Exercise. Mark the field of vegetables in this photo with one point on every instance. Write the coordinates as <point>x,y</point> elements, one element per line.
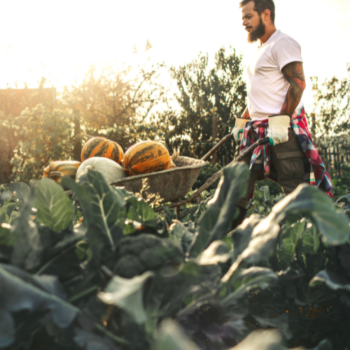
<point>101,269</point>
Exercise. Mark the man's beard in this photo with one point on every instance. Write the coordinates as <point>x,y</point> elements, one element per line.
<point>256,34</point>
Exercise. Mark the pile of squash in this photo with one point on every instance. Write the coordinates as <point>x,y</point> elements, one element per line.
<point>108,158</point>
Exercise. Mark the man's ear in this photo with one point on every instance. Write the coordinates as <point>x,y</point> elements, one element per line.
<point>267,15</point>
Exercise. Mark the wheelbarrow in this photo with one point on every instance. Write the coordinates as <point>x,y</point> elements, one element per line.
<point>175,183</point>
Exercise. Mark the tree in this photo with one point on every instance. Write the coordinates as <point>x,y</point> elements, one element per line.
<point>45,135</point>
<point>115,103</point>
<point>209,99</point>
<point>12,102</point>
<point>331,106</point>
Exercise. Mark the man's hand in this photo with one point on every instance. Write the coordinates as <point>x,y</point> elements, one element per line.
<point>294,73</point>
<point>240,123</point>
<point>239,126</point>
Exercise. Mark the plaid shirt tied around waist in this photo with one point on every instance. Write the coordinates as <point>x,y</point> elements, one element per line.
<point>317,175</point>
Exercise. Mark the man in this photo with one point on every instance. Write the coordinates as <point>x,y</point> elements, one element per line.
<point>275,85</point>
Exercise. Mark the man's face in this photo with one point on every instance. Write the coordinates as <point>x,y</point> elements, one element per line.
<point>252,22</point>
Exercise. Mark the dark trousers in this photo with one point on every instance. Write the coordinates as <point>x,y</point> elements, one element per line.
<point>288,161</point>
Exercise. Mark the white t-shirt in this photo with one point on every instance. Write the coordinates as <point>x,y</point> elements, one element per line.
<point>266,85</point>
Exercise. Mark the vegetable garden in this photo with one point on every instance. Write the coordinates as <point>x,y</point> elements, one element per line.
<point>103,270</point>
<point>87,265</point>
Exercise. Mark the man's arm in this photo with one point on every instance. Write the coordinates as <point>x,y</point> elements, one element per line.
<point>245,114</point>
<point>294,73</point>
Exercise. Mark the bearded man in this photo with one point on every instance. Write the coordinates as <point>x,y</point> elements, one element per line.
<point>275,85</point>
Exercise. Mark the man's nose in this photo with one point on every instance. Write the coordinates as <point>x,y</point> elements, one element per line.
<point>244,23</point>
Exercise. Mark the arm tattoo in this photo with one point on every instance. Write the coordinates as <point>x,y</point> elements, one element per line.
<point>294,73</point>
<point>245,114</point>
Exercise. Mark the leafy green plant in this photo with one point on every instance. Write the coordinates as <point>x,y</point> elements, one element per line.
<point>341,183</point>
<point>102,269</point>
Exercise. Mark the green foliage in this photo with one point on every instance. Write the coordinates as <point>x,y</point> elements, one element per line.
<point>267,193</point>
<point>115,104</point>
<point>171,337</point>
<point>45,135</point>
<point>106,220</point>
<point>54,208</point>
<point>331,106</point>
<point>103,270</point>
<point>209,100</point>
<point>146,252</point>
<point>21,292</point>
<point>120,279</point>
<point>206,172</point>
<point>127,294</point>
<point>341,183</point>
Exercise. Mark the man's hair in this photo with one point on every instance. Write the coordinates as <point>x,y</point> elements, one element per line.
<point>262,5</point>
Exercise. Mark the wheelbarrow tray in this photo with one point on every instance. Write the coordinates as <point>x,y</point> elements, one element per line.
<point>170,184</point>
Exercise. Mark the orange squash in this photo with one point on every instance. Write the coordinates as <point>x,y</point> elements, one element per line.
<point>146,157</point>
<point>101,147</point>
<point>61,168</point>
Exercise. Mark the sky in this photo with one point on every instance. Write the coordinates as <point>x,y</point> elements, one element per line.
<point>60,39</point>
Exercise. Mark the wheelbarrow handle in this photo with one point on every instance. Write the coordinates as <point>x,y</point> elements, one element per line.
<point>217,175</point>
<point>225,139</point>
<point>251,148</point>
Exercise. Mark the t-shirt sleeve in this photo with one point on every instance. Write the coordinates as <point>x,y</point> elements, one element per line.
<point>286,51</point>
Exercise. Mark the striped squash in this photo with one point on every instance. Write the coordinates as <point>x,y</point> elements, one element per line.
<point>61,168</point>
<point>146,157</point>
<point>101,147</point>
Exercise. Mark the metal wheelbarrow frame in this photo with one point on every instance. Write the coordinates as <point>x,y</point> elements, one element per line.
<point>175,183</point>
<point>171,184</point>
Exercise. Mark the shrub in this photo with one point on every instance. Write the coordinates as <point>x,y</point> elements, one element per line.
<point>45,136</point>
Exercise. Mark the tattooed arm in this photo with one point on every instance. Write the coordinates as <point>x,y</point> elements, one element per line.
<point>294,73</point>
<point>245,114</point>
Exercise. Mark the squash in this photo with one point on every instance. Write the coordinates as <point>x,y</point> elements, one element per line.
<point>101,147</point>
<point>110,170</point>
<point>61,168</point>
<point>146,157</point>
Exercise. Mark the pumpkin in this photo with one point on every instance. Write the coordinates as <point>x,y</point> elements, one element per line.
<point>146,157</point>
<point>61,168</point>
<point>110,170</point>
<point>101,147</point>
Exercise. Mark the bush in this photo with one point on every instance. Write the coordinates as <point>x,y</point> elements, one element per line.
<point>46,135</point>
